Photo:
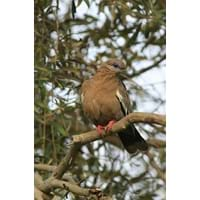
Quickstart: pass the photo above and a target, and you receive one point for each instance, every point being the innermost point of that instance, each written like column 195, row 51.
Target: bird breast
column 100, row 103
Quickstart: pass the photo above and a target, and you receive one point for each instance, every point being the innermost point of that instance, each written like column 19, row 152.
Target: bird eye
column 115, row 65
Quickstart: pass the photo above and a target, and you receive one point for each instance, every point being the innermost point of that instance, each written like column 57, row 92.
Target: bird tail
column 132, row 140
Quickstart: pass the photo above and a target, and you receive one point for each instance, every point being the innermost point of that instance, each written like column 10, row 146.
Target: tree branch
column 51, row 168
column 38, row 192
column 66, row 162
column 156, row 64
column 45, row 167
column 45, row 187
column 40, row 195
column 78, row 140
column 136, row 117
column 156, row 143
column 160, row 172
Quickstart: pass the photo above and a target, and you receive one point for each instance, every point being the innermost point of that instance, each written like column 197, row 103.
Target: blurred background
column 71, row 38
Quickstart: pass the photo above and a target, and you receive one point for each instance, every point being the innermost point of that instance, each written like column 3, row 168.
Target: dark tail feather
column 132, row 140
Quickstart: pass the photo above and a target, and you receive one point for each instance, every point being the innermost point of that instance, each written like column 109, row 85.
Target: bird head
column 116, row 65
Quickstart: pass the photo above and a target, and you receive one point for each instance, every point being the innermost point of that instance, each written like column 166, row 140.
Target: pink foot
column 109, row 125
column 100, row 129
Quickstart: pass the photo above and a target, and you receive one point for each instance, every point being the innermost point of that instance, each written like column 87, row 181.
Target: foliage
column 71, row 39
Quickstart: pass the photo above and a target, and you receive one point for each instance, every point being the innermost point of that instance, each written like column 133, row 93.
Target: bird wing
column 122, row 96
column 130, row 137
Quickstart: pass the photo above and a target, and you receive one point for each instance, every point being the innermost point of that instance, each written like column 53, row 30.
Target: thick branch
column 53, row 183
column 75, row 189
column 44, row 167
column 39, row 195
column 120, row 125
column 51, row 168
column 66, row 161
column 39, row 188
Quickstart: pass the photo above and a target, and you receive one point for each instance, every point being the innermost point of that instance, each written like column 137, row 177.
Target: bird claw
column 100, row 129
column 106, row 128
column 109, row 126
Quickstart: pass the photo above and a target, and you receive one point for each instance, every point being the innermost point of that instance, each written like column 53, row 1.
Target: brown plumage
column 104, row 98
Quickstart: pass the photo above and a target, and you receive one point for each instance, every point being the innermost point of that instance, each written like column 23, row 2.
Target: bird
column 105, row 100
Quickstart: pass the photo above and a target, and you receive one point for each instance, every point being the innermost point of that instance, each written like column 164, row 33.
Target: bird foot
column 100, row 129
column 109, row 126
column 106, row 128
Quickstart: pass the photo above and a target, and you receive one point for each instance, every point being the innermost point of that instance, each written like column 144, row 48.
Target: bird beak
column 122, row 73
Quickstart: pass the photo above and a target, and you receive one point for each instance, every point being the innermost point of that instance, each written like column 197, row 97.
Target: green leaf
column 60, row 129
